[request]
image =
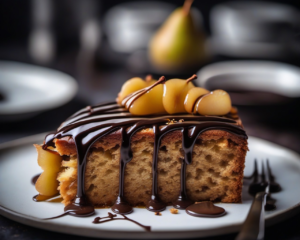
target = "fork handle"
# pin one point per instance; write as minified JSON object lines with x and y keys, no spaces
{"x":254,"y":226}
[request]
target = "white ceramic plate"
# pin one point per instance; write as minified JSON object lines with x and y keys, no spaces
{"x":30,"y":89}
{"x":18,"y":165}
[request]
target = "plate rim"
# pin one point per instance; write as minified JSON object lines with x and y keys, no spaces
{"x":64,"y":98}
{"x":91,"y":232}
{"x":217,"y":69}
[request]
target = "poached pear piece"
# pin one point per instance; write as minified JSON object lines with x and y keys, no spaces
{"x":216,"y":103}
{"x":192,"y":97}
{"x":50,"y":162}
{"x":178,"y":44}
{"x":175,"y":91}
{"x":133,"y":85}
{"x":176,"y":96}
{"x":146,"y":101}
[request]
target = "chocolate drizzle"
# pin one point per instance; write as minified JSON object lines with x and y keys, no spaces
{"x":112,"y":217}
{"x":88,"y":125}
{"x":81,"y":207}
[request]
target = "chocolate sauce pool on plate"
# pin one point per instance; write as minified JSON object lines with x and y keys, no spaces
{"x":205,"y":209}
{"x":88,"y":125}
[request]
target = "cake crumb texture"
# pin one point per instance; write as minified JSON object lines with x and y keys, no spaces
{"x":173,"y":210}
{"x":215,"y":174}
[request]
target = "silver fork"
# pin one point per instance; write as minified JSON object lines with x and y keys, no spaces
{"x":254,"y":226}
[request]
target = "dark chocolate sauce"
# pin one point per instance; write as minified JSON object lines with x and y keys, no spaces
{"x":182,"y":202}
{"x":112,"y":217}
{"x":121,"y":206}
{"x":81,"y":207}
{"x":35,"y":178}
{"x":205,"y":209}
{"x":92,"y":123}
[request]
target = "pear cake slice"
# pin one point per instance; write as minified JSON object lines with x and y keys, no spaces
{"x":126,"y":152}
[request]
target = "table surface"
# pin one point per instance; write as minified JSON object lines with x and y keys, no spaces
{"x":269,"y":122}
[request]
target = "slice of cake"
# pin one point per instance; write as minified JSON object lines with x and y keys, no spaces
{"x":162,"y":143}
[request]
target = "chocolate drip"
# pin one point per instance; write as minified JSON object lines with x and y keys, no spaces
{"x":188,"y":142}
{"x":155,"y":204}
{"x":112,"y":217}
{"x":81,"y":207}
{"x":182,"y":202}
{"x":205,"y":209}
{"x":121,"y":206}
{"x":87,"y":126}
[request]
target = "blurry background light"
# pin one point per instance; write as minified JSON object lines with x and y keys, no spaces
{"x":129,"y":26}
{"x":254,"y":29}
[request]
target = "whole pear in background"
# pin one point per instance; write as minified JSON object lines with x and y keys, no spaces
{"x":179,"y":43}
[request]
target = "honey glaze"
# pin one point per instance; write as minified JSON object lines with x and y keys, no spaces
{"x":205,"y":209}
{"x":92,"y":123}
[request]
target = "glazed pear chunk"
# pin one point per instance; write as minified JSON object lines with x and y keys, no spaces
{"x":192,"y":96}
{"x":130,"y":86}
{"x":173,"y":97}
{"x":134,"y":84}
{"x":175,"y":91}
{"x":50,"y":162}
{"x":216,"y":103}
{"x":149,"y":103}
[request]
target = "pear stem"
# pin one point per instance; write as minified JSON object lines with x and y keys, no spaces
{"x":148,"y":78}
{"x":162,"y":79}
{"x":191,"y":78}
{"x":187,"y":6}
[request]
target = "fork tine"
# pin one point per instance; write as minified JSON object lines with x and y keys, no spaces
{"x":263,"y":176}
{"x":271,"y":176}
{"x":255,"y":172}
{"x":267,"y":179}
{"x":274,"y":186}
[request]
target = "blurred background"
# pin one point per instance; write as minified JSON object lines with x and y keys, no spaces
{"x":57,"y":56}
{"x":249,"y":48}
